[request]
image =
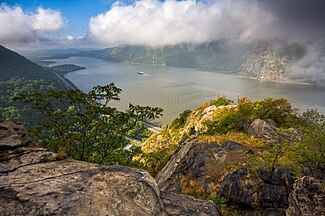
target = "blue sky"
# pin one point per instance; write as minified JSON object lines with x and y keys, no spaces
{"x":37,"y":24}
{"x":76,"y":12}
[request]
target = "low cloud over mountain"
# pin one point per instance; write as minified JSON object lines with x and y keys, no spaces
{"x":155,"y":23}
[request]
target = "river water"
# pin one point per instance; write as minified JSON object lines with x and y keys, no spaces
{"x":177,"y":89}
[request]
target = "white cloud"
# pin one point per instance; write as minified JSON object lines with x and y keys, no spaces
{"x":46,"y":20}
{"x":155,"y":23}
{"x":19,"y":27}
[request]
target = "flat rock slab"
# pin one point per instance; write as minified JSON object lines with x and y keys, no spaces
{"x":70,"y":187}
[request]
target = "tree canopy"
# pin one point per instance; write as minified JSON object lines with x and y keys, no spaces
{"x":85,"y":127}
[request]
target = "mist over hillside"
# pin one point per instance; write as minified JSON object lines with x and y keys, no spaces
{"x":272,"y":60}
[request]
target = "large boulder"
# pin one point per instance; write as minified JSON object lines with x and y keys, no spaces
{"x":256,"y":192}
{"x":263,"y":129}
{"x":268,"y":130}
{"x":12,"y":135}
{"x":307,"y":198}
{"x":198,"y":167}
{"x":70,"y":187}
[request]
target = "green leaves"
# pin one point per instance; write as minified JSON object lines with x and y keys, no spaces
{"x":85,"y":127}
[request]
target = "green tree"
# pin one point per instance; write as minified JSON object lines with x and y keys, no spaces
{"x":311,"y":152}
{"x":181,"y":120}
{"x":85,"y":127}
{"x":279,"y":110}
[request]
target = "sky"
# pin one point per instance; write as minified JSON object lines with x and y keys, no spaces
{"x":41,"y":24}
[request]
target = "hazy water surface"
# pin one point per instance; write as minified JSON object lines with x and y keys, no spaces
{"x":176,"y":89}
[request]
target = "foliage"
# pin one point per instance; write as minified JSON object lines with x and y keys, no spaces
{"x":279,"y":110}
{"x":66,"y":68}
{"x":217,"y":200}
{"x":221,"y":101}
{"x":238,"y":118}
{"x":297,"y":155}
{"x":85,"y":127}
{"x":311,"y":152}
{"x":181,"y":120}
{"x":13,"y":110}
{"x":192,"y":187}
{"x":154,"y":161}
{"x":158,"y":149}
{"x":273,"y":155}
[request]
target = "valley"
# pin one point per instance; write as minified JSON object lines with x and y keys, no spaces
{"x":178,"y":89}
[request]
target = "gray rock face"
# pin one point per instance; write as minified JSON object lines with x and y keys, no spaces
{"x":307,"y":198}
{"x":268,"y":130}
{"x":242,"y":187}
{"x":201,"y":162}
{"x":34,"y":181}
{"x":263,"y":130}
{"x":12,"y":135}
{"x":263,"y":191}
{"x":179,"y":204}
{"x":70,"y":187}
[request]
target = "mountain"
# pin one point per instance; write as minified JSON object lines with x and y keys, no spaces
{"x":269,"y":60}
{"x":261,"y":59}
{"x":14,"y":65}
{"x":53,"y":53}
{"x":19,"y":75}
{"x":224,"y":56}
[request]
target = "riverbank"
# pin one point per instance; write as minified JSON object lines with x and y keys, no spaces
{"x":276,"y":81}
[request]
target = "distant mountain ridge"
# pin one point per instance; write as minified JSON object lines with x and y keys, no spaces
{"x":18,"y":76}
{"x":13,"y":64}
{"x":218,"y":56}
{"x":263,"y":60}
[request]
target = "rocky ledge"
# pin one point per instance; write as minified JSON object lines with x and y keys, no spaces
{"x":34,"y":181}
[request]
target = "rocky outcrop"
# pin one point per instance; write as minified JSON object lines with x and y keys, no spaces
{"x":265,"y":63}
{"x":179,"y":204}
{"x":258,"y":192}
{"x":307,"y":197}
{"x":267,"y":130}
{"x":12,"y":136}
{"x":199,"y":117}
{"x":263,"y":130}
{"x":198,"y":167}
{"x":34,"y":181}
{"x":70,"y":187}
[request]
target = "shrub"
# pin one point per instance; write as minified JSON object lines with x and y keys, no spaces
{"x":181,"y":120}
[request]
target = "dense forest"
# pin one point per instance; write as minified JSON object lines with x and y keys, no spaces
{"x":19,"y":75}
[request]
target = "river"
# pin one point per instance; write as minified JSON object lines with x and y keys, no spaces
{"x":177,"y":89}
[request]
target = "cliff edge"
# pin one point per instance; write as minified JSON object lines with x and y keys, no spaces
{"x":34,"y":181}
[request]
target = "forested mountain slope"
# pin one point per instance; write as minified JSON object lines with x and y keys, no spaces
{"x":19,"y":75}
